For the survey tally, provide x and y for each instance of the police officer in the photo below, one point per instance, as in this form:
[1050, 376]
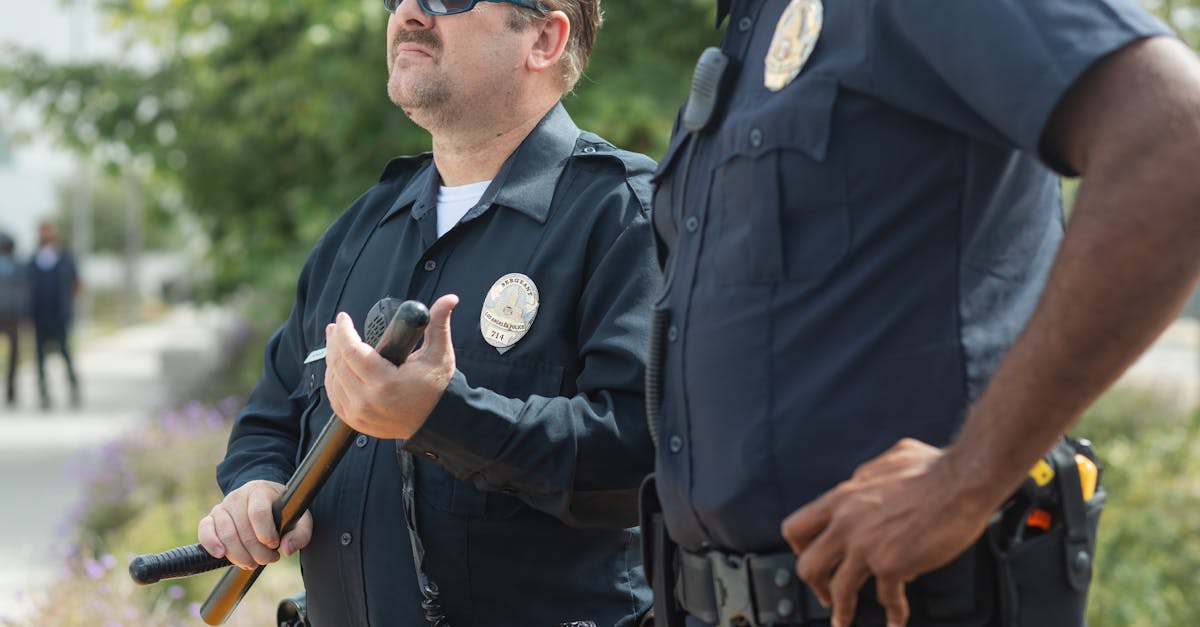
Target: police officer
[522, 414]
[873, 323]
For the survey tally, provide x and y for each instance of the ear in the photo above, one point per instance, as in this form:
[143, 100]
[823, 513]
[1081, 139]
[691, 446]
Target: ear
[552, 34]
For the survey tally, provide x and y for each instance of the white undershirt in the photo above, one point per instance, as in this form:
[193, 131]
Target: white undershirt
[454, 202]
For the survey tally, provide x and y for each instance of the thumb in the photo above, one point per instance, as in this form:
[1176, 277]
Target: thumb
[437, 335]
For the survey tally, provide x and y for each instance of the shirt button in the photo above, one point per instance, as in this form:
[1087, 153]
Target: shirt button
[672, 333]
[692, 224]
[589, 150]
[430, 265]
[360, 441]
[745, 23]
[347, 539]
[676, 444]
[755, 137]
[431, 455]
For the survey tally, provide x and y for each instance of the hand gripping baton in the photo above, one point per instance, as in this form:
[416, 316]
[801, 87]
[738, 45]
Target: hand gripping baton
[394, 328]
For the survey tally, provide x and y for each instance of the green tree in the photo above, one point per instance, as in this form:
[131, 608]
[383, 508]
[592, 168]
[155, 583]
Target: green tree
[270, 117]
[108, 195]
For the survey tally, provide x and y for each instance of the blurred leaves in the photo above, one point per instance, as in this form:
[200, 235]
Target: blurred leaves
[270, 117]
[1147, 555]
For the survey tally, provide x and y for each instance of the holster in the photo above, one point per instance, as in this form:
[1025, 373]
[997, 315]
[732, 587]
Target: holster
[1006, 579]
[1044, 580]
[293, 611]
[658, 559]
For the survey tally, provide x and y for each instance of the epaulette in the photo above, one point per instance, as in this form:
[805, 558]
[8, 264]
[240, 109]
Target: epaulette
[592, 145]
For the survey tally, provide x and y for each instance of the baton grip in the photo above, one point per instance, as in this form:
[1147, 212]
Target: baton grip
[181, 561]
[393, 328]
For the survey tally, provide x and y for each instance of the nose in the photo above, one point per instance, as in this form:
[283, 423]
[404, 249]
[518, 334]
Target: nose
[410, 14]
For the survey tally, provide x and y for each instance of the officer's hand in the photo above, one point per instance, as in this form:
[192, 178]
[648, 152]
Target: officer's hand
[374, 396]
[897, 517]
[242, 528]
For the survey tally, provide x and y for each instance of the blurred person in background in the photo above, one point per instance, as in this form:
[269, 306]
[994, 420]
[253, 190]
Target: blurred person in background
[54, 284]
[14, 305]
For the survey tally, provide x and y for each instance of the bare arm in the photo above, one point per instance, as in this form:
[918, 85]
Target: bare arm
[1131, 254]
[1129, 260]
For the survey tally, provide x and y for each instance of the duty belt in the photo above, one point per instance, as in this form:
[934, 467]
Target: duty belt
[731, 590]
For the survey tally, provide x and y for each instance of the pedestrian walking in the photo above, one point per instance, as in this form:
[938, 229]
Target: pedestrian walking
[54, 284]
[14, 305]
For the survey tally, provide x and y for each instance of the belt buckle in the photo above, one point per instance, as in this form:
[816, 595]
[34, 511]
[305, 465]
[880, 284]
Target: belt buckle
[731, 590]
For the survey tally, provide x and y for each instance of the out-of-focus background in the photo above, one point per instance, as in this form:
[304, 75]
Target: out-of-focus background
[191, 152]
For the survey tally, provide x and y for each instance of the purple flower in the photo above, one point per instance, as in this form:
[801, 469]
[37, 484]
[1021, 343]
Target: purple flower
[175, 593]
[94, 569]
[108, 561]
[194, 609]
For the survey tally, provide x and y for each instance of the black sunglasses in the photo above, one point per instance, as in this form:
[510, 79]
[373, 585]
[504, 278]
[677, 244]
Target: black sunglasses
[450, 7]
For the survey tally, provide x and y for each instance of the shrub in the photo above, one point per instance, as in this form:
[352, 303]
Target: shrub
[145, 493]
[1147, 558]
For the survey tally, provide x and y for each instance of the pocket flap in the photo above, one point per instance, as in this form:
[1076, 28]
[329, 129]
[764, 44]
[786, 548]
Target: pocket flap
[312, 379]
[785, 122]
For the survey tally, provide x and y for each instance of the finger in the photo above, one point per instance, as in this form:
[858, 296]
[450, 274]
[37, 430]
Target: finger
[354, 359]
[206, 533]
[299, 536]
[847, 581]
[437, 335]
[817, 565]
[227, 532]
[890, 593]
[262, 520]
[806, 523]
[334, 390]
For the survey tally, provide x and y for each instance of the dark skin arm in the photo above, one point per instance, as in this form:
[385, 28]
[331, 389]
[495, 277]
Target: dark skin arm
[1131, 255]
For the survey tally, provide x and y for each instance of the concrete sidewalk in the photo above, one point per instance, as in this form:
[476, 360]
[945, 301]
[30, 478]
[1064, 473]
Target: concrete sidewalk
[1172, 364]
[123, 380]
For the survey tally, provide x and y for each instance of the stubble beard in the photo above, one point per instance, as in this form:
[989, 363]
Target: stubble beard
[415, 91]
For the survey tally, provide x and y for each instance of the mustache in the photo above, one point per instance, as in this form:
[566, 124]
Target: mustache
[420, 37]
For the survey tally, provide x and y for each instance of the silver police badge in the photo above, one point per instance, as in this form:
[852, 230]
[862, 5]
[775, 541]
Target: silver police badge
[508, 311]
[796, 35]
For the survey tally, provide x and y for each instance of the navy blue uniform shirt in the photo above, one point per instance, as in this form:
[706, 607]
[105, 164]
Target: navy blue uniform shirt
[528, 467]
[851, 255]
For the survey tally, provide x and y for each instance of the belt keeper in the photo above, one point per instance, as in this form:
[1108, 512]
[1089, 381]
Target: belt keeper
[733, 601]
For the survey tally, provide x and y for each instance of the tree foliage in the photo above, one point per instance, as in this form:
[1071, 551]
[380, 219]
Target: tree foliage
[268, 117]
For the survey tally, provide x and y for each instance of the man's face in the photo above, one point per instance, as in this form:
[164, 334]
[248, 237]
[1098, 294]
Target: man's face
[48, 234]
[449, 64]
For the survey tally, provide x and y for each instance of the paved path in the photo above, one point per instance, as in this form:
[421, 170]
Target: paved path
[1172, 365]
[123, 381]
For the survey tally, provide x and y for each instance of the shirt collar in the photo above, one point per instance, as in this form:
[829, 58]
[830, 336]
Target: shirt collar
[525, 182]
[722, 11]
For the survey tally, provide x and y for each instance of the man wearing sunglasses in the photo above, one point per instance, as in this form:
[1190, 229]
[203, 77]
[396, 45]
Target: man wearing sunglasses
[495, 481]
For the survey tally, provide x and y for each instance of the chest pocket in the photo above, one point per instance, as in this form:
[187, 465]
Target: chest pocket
[510, 377]
[308, 393]
[778, 199]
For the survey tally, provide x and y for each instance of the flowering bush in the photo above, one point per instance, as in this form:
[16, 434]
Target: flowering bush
[145, 493]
